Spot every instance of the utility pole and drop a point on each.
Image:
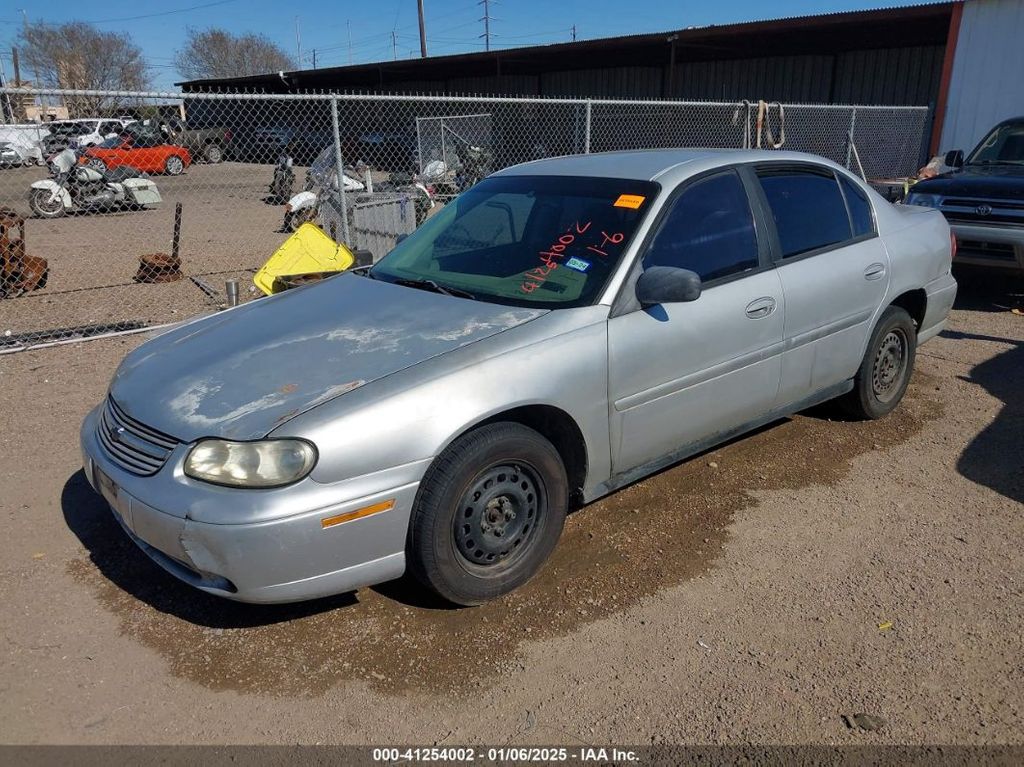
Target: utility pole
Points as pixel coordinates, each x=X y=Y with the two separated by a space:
x=314 y=58
x=394 y=46
x=35 y=71
x=574 y=33
x=348 y=25
x=298 y=44
x=486 y=19
x=423 y=30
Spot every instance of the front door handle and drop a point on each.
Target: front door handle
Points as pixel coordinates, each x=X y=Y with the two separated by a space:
x=760 y=308
x=874 y=272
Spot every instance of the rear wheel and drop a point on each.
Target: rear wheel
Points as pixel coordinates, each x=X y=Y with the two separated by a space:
x=213 y=153
x=884 y=373
x=43 y=206
x=97 y=165
x=489 y=512
x=174 y=166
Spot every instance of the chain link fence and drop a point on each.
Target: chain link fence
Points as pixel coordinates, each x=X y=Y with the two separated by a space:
x=188 y=191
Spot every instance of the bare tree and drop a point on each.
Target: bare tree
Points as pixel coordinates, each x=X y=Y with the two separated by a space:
x=77 y=55
x=215 y=53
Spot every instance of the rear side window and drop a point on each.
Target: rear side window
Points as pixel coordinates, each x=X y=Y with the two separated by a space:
x=860 y=208
x=808 y=209
x=709 y=230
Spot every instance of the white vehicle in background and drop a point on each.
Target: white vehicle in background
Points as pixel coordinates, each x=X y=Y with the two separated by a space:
x=79 y=134
x=75 y=187
x=21 y=145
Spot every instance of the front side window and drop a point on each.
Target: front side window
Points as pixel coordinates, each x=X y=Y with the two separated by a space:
x=808 y=209
x=1003 y=146
x=709 y=230
x=550 y=241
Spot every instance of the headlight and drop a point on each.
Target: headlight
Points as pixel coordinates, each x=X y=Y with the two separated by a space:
x=270 y=463
x=924 y=200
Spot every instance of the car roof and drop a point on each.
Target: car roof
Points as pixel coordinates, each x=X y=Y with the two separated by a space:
x=652 y=164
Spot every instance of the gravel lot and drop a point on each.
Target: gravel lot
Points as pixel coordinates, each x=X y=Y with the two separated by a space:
x=734 y=598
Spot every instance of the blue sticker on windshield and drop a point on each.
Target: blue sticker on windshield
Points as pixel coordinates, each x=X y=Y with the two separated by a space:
x=578 y=264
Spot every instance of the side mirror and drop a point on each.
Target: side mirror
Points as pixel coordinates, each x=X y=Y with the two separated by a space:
x=667 y=285
x=955 y=158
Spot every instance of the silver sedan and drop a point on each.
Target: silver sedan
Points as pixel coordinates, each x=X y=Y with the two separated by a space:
x=560 y=330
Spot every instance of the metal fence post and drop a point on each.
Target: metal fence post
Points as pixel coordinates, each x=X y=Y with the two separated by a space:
x=339 y=169
x=849 y=138
x=586 y=133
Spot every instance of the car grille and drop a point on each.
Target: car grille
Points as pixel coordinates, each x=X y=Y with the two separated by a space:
x=131 y=445
x=997 y=211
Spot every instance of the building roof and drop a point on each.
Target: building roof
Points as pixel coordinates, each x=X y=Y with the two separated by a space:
x=823 y=34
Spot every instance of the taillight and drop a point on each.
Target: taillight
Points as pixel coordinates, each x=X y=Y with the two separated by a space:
x=227 y=136
x=952 y=245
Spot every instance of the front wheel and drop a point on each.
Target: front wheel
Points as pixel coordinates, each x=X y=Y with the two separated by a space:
x=884 y=373
x=174 y=166
x=488 y=513
x=43 y=206
x=97 y=165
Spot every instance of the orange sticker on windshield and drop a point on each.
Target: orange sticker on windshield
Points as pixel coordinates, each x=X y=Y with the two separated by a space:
x=633 y=201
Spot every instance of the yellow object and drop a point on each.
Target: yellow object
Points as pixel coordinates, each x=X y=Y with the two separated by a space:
x=885 y=626
x=308 y=250
x=633 y=201
x=366 y=511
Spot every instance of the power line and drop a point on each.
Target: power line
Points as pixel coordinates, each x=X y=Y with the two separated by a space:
x=163 y=13
x=486 y=19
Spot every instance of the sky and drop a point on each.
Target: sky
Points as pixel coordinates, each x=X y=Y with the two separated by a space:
x=364 y=31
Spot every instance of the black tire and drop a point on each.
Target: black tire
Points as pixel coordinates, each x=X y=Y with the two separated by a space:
x=97 y=165
x=884 y=373
x=488 y=514
x=213 y=153
x=174 y=165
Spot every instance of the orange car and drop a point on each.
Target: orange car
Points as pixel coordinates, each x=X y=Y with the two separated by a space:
x=143 y=152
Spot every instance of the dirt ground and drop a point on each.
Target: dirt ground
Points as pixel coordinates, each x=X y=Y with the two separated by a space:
x=744 y=596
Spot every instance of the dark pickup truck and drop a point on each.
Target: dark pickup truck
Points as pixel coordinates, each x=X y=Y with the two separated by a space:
x=208 y=143
x=983 y=198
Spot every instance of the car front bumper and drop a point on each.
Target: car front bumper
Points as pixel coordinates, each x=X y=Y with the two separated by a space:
x=1000 y=247
x=279 y=550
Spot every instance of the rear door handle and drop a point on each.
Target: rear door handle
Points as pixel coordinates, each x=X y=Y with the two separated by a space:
x=874 y=272
x=760 y=308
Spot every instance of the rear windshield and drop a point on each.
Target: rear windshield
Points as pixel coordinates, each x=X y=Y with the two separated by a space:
x=548 y=241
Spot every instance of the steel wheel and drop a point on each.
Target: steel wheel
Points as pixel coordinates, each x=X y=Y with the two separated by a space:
x=174 y=165
x=498 y=514
x=890 y=365
x=97 y=164
x=213 y=153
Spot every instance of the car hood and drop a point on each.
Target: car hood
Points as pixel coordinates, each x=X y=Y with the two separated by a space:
x=241 y=373
x=990 y=181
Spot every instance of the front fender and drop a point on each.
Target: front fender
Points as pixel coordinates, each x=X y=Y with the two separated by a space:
x=302 y=200
x=55 y=189
x=558 y=360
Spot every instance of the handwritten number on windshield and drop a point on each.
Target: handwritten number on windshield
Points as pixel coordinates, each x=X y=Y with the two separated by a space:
x=534 y=278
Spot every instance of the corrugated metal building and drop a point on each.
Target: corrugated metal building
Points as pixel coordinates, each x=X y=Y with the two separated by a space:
x=987 y=77
x=891 y=56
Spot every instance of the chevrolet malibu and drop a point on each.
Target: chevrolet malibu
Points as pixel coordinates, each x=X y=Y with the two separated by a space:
x=560 y=330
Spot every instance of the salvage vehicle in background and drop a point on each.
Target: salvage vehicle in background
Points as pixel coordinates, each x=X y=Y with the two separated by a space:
x=560 y=330
x=210 y=144
x=144 y=151
x=74 y=187
x=983 y=198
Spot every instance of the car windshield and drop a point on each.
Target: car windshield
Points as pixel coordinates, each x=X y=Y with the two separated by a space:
x=525 y=240
x=1003 y=146
x=111 y=143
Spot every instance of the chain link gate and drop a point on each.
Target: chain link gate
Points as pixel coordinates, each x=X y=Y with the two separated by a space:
x=124 y=265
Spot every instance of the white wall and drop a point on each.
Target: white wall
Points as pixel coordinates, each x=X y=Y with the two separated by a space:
x=987 y=85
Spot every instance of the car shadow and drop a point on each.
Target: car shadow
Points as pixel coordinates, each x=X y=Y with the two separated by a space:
x=986 y=290
x=995 y=457
x=124 y=565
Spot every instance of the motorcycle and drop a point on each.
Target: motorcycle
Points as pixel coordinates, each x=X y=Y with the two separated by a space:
x=284 y=178
x=321 y=187
x=81 y=188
